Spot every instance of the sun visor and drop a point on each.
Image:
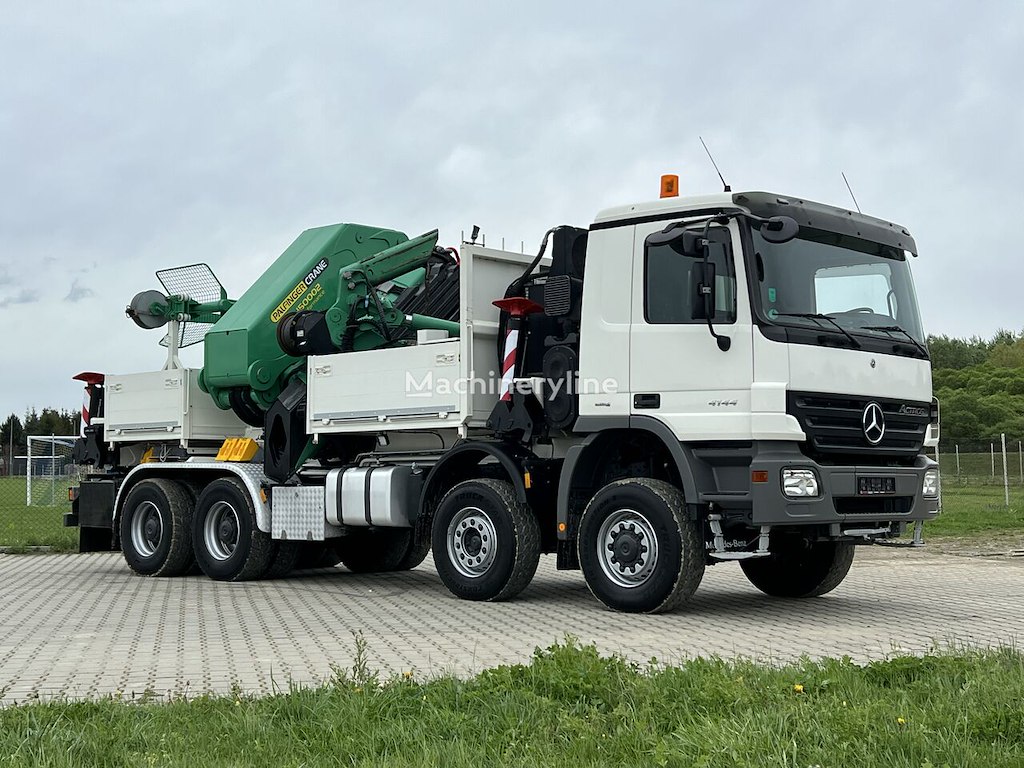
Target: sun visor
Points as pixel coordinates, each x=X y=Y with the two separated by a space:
x=827 y=217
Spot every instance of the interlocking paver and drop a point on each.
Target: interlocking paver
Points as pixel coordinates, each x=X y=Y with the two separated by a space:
x=84 y=626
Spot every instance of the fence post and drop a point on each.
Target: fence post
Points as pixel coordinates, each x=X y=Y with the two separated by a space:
x=1020 y=455
x=53 y=465
x=957 y=447
x=1006 y=475
x=28 y=472
x=992 y=449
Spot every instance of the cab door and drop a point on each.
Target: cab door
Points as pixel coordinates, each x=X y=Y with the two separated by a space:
x=678 y=373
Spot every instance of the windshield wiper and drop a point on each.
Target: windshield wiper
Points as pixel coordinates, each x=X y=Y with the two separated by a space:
x=829 y=318
x=897 y=329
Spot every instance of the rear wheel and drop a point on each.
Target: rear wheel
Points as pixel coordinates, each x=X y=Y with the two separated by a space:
x=155 y=528
x=228 y=544
x=800 y=568
x=317 y=554
x=637 y=549
x=374 y=550
x=286 y=556
x=486 y=542
x=416 y=553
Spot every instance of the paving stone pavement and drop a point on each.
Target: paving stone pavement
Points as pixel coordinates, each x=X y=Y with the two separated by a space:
x=84 y=626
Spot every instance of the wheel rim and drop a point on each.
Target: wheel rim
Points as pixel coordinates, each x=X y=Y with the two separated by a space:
x=147 y=528
x=471 y=542
x=627 y=548
x=221 y=530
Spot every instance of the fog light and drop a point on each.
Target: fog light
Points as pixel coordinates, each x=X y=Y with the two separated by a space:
x=799 y=483
x=930 y=486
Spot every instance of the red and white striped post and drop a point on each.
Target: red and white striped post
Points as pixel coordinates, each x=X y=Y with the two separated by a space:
x=517 y=308
x=91 y=381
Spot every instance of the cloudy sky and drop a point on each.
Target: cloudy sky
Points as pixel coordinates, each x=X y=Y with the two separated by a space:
x=136 y=136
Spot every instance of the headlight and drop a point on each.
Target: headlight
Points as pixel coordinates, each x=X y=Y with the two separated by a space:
x=930 y=486
x=800 y=483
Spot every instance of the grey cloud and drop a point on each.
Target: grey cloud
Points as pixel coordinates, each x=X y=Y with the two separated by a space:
x=78 y=292
x=146 y=135
x=24 y=296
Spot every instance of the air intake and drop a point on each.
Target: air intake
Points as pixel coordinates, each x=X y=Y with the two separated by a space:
x=559 y=292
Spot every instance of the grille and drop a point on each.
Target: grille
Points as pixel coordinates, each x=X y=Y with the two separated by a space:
x=866 y=505
x=832 y=424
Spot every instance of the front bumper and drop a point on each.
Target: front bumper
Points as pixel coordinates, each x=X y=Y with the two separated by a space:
x=838 y=500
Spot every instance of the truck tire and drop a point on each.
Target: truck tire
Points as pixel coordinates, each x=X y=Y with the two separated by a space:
x=799 y=568
x=486 y=542
x=316 y=554
x=286 y=555
x=638 y=551
x=156 y=528
x=416 y=554
x=374 y=550
x=228 y=544
x=193 y=489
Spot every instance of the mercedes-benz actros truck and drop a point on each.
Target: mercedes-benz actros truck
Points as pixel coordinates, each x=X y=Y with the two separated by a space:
x=736 y=376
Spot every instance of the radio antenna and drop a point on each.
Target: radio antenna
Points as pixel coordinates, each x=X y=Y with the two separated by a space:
x=851 y=193
x=725 y=187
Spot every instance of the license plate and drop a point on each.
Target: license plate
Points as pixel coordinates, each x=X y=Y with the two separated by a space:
x=876 y=486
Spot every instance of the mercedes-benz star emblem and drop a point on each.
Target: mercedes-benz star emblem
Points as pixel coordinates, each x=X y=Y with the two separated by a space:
x=873 y=423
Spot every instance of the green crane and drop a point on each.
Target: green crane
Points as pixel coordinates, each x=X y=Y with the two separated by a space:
x=344 y=279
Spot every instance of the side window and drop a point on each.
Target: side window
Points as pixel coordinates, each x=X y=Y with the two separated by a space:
x=670 y=284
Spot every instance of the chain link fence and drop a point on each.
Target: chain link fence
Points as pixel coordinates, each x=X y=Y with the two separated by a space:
x=989 y=468
x=34 y=494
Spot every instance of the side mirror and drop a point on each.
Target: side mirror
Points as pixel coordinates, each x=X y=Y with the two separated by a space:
x=682 y=241
x=702 y=278
x=779 y=229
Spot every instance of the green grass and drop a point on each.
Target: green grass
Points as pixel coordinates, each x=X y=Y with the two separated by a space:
x=977 y=510
x=22 y=526
x=571 y=707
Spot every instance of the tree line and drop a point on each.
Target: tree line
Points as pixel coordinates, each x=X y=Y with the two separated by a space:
x=14 y=432
x=980 y=386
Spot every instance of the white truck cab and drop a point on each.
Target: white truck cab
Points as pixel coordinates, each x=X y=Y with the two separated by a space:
x=823 y=369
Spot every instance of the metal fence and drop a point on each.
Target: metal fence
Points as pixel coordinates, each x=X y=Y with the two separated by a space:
x=988 y=468
x=34 y=494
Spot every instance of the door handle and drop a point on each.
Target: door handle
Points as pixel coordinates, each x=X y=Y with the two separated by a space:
x=647 y=400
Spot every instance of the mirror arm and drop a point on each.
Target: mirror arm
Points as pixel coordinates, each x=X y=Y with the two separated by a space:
x=724 y=342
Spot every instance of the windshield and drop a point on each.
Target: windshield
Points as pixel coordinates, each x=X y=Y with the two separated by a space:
x=863 y=287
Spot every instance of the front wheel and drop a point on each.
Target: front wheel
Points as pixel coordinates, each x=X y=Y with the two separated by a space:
x=229 y=546
x=637 y=549
x=800 y=568
x=486 y=542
